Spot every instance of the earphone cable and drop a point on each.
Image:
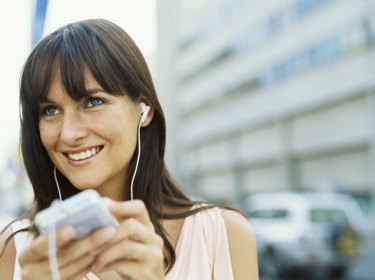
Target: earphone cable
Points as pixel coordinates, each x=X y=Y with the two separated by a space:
x=57 y=183
x=137 y=162
x=52 y=254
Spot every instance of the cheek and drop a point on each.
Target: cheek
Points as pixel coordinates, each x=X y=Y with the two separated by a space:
x=125 y=135
x=47 y=135
x=125 y=128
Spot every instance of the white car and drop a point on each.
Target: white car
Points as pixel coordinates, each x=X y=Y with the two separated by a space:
x=308 y=232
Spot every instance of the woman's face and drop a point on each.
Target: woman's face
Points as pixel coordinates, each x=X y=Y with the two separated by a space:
x=90 y=141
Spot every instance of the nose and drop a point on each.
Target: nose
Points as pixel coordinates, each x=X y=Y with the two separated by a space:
x=73 y=128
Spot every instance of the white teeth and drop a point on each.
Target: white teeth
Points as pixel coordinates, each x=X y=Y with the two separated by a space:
x=84 y=155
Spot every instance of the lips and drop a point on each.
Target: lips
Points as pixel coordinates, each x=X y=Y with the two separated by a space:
x=83 y=153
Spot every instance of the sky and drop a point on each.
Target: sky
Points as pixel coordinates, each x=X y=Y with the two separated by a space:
x=138 y=18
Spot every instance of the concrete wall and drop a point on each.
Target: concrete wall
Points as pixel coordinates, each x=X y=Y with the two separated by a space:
x=269 y=95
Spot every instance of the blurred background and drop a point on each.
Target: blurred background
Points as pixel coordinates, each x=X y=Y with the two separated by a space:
x=270 y=107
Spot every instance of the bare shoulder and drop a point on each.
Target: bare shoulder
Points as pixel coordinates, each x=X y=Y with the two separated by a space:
x=7 y=257
x=242 y=245
x=234 y=221
x=239 y=230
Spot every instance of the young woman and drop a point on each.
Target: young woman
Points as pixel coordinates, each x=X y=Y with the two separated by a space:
x=81 y=116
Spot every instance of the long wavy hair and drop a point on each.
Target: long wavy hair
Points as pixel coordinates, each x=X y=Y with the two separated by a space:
x=117 y=64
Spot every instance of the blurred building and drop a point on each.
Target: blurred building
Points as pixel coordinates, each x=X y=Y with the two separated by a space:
x=16 y=195
x=269 y=95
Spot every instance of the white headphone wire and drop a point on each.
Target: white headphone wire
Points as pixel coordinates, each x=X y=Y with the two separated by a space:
x=57 y=183
x=52 y=253
x=137 y=162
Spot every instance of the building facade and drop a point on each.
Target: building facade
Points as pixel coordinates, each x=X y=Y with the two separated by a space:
x=269 y=95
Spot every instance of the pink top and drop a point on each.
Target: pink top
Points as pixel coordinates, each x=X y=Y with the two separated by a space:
x=202 y=250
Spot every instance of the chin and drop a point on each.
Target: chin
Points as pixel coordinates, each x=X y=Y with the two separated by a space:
x=85 y=185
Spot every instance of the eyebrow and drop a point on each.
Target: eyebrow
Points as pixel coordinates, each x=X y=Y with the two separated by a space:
x=47 y=100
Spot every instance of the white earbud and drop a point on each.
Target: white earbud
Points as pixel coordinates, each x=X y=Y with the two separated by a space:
x=145 y=110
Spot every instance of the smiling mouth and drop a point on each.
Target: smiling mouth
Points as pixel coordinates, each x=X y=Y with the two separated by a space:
x=84 y=154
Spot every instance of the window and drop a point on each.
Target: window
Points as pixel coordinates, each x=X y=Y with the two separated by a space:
x=326 y=215
x=269 y=214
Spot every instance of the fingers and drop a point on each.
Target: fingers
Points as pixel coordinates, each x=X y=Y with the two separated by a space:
x=74 y=257
x=131 y=209
x=76 y=270
x=136 y=231
x=87 y=245
x=38 y=250
x=133 y=260
x=133 y=241
x=136 y=251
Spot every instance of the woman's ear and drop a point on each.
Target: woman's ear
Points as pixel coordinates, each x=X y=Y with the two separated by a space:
x=147 y=113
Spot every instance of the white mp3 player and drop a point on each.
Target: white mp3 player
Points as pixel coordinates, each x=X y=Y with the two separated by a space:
x=85 y=211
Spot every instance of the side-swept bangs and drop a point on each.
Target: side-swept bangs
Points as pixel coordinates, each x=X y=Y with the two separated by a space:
x=75 y=48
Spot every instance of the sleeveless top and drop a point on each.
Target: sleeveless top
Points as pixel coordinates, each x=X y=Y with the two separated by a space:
x=202 y=250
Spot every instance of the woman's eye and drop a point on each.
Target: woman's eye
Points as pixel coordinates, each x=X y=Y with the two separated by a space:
x=50 y=110
x=94 y=101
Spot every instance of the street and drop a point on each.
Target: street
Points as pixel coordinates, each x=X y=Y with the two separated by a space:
x=364 y=269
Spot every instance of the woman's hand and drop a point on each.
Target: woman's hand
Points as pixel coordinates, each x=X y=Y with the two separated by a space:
x=74 y=257
x=136 y=251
